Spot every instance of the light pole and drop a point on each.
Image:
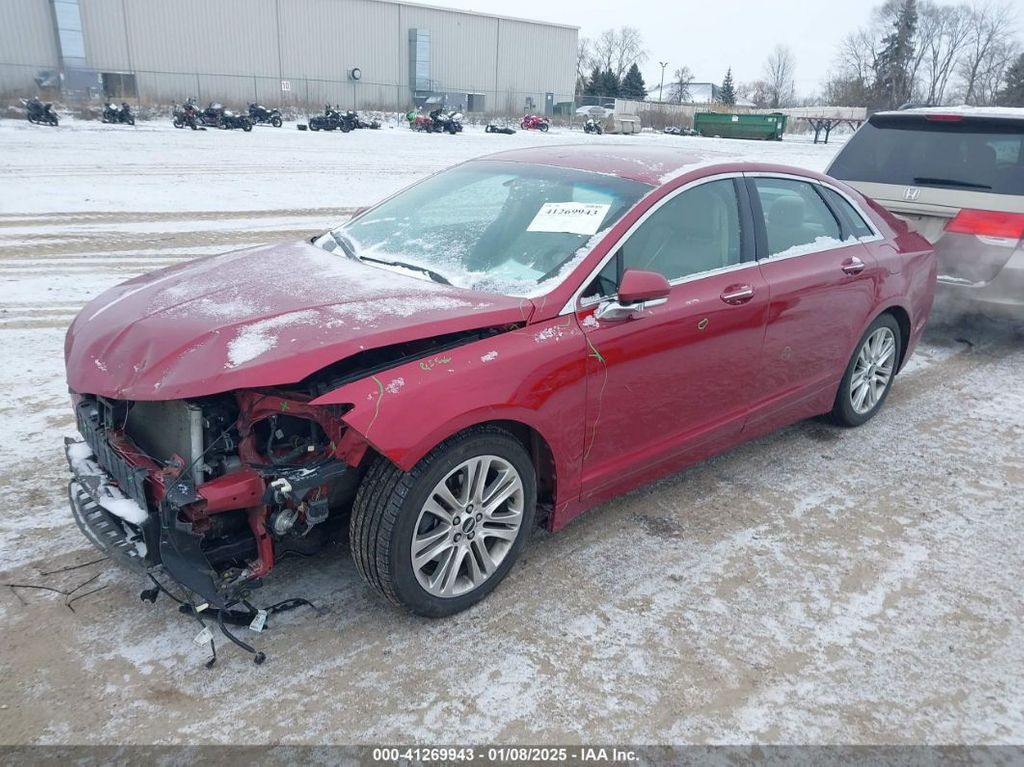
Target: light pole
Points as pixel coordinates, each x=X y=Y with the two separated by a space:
x=661 y=88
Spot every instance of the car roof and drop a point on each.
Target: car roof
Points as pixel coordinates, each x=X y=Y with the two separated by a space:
x=1004 y=113
x=647 y=164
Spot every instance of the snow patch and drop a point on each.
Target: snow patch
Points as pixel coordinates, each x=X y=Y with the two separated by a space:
x=260 y=337
x=395 y=386
x=489 y=357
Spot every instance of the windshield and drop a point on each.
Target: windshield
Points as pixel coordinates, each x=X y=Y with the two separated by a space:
x=970 y=154
x=497 y=227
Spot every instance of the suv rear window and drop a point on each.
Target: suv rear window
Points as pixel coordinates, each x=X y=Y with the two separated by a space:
x=972 y=154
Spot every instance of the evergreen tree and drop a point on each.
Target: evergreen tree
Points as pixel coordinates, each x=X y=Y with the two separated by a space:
x=1013 y=94
x=727 y=94
x=633 y=86
x=593 y=86
x=893 y=77
x=609 y=85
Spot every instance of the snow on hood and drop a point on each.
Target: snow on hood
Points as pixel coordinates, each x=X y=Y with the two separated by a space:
x=258 y=317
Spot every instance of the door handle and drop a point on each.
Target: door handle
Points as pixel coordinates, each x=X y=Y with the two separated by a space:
x=738 y=294
x=853 y=266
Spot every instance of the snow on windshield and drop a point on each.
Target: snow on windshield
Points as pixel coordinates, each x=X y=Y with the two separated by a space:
x=508 y=228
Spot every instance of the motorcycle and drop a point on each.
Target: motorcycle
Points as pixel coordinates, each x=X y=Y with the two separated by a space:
x=331 y=119
x=535 y=122
x=216 y=116
x=422 y=123
x=40 y=113
x=186 y=114
x=260 y=115
x=356 y=122
x=492 y=128
x=675 y=130
x=118 y=114
x=446 y=122
x=592 y=126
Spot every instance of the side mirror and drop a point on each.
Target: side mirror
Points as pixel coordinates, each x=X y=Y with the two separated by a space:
x=638 y=291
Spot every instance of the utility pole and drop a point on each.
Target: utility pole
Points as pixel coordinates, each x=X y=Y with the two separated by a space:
x=661 y=88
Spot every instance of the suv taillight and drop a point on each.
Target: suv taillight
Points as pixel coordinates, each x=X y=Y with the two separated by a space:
x=988 y=223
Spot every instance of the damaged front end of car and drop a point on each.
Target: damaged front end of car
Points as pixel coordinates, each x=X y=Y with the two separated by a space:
x=213 y=491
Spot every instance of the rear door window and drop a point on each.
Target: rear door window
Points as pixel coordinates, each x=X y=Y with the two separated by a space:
x=972 y=154
x=796 y=218
x=855 y=223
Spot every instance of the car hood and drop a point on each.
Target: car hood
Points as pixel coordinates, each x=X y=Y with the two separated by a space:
x=266 y=316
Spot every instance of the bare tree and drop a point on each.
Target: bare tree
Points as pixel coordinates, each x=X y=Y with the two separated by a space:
x=989 y=43
x=679 y=88
x=584 y=62
x=755 y=92
x=942 y=35
x=618 y=50
x=778 y=76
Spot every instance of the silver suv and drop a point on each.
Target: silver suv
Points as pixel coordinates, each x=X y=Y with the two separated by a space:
x=957 y=176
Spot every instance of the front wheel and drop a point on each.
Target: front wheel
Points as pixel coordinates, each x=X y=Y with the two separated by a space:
x=276 y=121
x=869 y=374
x=247 y=126
x=440 y=537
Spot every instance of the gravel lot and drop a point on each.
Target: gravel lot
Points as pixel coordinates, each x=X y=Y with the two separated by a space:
x=815 y=586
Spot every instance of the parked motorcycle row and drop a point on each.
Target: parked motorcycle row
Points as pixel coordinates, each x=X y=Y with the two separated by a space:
x=437 y=121
x=214 y=116
x=334 y=119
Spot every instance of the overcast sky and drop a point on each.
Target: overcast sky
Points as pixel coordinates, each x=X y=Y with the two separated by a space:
x=707 y=35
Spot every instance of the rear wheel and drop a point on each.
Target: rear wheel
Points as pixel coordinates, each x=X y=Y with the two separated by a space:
x=543 y=127
x=440 y=537
x=870 y=373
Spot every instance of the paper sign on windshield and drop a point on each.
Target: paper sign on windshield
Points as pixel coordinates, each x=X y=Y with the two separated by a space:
x=569 y=217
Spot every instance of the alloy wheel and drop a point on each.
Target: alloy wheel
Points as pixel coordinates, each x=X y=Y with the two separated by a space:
x=467 y=526
x=873 y=370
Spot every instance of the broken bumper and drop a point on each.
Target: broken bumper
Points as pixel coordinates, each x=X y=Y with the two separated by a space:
x=113 y=522
x=129 y=533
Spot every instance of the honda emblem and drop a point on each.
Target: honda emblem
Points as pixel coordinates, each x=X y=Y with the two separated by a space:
x=911 y=193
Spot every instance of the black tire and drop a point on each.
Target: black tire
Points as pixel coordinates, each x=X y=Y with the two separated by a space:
x=543 y=127
x=345 y=127
x=131 y=121
x=387 y=507
x=276 y=121
x=247 y=126
x=843 y=412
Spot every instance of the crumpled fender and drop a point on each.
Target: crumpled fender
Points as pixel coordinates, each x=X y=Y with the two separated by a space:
x=534 y=375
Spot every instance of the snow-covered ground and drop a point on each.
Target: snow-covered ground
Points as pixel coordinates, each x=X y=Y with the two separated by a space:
x=818 y=585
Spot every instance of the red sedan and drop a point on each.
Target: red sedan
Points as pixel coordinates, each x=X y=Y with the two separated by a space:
x=502 y=345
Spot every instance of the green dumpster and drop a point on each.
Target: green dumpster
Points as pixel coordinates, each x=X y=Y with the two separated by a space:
x=725 y=125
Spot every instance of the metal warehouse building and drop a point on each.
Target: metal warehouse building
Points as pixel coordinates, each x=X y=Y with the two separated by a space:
x=357 y=53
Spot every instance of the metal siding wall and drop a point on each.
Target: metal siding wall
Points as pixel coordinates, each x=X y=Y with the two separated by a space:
x=226 y=37
x=463 y=48
x=534 y=60
x=106 y=46
x=325 y=39
x=234 y=45
x=27 y=43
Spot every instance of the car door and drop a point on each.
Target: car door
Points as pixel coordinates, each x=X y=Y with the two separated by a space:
x=822 y=282
x=674 y=381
